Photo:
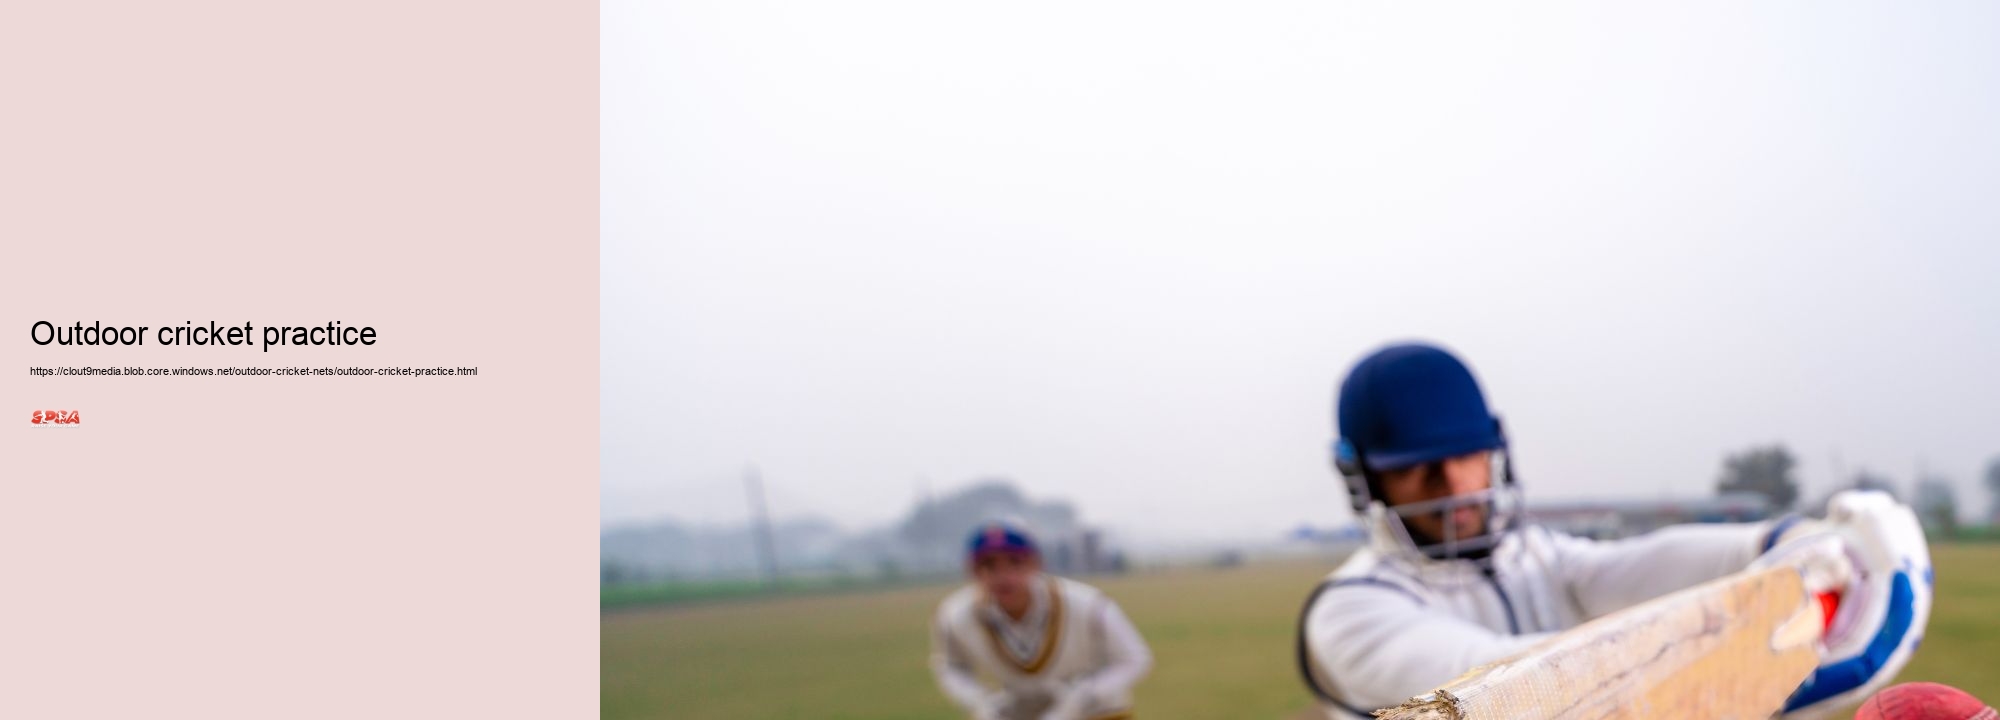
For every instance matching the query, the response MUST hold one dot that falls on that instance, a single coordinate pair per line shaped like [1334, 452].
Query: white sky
[1122, 252]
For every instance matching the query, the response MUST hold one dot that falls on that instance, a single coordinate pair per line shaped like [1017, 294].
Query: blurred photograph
[1299, 361]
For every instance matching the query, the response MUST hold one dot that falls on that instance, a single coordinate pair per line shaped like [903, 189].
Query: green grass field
[1221, 639]
[620, 597]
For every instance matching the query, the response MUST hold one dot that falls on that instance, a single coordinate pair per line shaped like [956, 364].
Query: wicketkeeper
[1020, 644]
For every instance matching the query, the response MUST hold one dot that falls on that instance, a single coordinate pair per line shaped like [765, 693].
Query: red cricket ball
[1924, 701]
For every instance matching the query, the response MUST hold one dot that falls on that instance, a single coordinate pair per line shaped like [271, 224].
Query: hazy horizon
[1121, 255]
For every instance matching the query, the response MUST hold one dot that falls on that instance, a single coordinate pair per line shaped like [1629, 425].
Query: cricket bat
[1735, 647]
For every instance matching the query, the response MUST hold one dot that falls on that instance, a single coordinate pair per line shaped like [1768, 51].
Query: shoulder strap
[1305, 649]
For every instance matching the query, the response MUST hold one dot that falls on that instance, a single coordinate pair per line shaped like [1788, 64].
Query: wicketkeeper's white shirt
[1385, 626]
[1073, 642]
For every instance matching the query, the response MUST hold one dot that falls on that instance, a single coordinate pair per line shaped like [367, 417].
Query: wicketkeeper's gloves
[994, 706]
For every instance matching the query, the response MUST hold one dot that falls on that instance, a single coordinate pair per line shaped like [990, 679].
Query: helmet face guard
[1500, 506]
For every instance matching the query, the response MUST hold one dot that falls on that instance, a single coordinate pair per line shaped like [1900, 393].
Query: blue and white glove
[1868, 559]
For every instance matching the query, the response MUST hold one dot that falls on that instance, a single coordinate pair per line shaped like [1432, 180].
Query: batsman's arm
[1381, 646]
[1607, 576]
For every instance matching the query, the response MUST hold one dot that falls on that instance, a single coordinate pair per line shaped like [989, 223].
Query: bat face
[1735, 647]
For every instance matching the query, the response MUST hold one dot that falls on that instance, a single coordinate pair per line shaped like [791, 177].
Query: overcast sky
[1123, 252]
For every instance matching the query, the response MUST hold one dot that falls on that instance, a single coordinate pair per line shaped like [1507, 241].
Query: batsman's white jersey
[1073, 656]
[1387, 626]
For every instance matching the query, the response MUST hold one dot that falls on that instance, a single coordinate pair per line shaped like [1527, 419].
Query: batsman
[1451, 577]
[1021, 644]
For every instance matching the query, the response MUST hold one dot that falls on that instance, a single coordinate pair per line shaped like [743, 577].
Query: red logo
[56, 417]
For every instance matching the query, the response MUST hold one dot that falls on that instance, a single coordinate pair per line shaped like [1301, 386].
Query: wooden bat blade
[1735, 647]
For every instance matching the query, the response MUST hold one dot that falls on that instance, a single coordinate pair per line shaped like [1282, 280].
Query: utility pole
[760, 524]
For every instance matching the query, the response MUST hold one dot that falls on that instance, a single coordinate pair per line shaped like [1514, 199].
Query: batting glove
[1870, 568]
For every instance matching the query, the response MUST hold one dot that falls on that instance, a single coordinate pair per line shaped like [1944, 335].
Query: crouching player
[1019, 644]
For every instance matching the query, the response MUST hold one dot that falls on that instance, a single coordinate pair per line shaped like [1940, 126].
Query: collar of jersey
[1051, 628]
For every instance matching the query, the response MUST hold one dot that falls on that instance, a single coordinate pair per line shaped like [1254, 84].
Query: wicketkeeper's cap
[999, 536]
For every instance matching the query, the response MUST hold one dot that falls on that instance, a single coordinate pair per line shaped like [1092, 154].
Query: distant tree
[1993, 490]
[1937, 506]
[1866, 480]
[943, 522]
[1766, 471]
